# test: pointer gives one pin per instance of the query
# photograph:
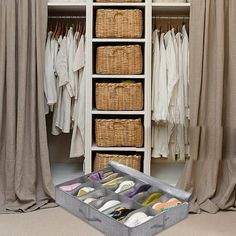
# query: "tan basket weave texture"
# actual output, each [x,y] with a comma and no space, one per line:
[119,132]
[119,60]
[114,23]
[102,160]
[119,0]
[119,96]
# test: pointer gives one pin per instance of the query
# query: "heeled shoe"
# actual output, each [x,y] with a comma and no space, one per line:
[152,198]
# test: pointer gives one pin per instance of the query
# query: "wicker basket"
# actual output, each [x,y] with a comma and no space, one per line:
[119,60]
[119,132]
[114,23]
[119,0]
[102,160]
[119,96]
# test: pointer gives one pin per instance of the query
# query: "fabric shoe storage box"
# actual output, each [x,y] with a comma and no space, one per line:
[109,226]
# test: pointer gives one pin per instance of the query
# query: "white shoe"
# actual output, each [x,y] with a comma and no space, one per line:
[109,204]
[137,219]
[127,184]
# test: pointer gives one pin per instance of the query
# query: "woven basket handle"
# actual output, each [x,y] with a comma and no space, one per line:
[117,50]
[119,86]
[118,123]
[118,13]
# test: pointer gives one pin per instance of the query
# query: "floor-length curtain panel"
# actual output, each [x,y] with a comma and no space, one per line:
[25,178]
[210,174]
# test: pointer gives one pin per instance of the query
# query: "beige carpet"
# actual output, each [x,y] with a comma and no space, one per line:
[58,222]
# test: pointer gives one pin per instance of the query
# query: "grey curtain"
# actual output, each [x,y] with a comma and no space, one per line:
[210,174]
[25,178]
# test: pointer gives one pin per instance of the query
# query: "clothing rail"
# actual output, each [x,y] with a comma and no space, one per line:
[67,17]
[172,17]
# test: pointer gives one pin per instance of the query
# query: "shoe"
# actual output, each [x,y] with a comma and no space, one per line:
[160,207]
[125,185]
[68,188]
[110,177]
[120,213]
[113,182]
[109,204]
[139,188]
[89,200]
[137,219]
[84,190]
[153,198]
[98,176]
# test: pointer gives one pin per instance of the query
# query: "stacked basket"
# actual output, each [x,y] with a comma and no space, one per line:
[125,95]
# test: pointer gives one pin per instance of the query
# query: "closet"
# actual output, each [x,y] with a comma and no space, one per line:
[59,146]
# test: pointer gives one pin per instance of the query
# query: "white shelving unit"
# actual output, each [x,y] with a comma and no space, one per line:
[150,9]
[91,148]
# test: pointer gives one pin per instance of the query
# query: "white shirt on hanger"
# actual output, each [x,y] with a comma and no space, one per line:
[71,54]
[77,141]
[160,131]
[63,119]
[185,51]
[49,79]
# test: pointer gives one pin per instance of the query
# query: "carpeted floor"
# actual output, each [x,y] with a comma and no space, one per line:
[58,222]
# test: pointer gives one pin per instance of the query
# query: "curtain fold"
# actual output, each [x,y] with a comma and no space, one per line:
[25,178]
[210,174]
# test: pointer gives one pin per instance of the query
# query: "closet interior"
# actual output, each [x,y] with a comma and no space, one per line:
[81,17]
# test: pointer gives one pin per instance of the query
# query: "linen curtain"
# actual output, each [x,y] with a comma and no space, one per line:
[210,174]
[25,178]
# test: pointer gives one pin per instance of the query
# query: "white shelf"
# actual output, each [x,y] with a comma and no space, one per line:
[118,76]
[126,149]
[97,112]
[171,8]
[119,4]
[117,40]
[59,7]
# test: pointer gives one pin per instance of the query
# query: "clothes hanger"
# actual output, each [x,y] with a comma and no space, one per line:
[54,33]
[58,33]
[84,28]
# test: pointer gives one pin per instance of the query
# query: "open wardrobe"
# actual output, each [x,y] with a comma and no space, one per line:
[122,112]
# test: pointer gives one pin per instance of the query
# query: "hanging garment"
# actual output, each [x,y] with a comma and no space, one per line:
[55,130]
[160,132]
[180,114]
[156,62]
[160,103]
[63,118]
[172,89]
[185,52]
[77,140]
[49,77]
[71,54]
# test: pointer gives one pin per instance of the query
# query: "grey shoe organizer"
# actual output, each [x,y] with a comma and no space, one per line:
[109,226]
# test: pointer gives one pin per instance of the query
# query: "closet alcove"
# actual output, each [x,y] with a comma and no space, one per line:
[65,168]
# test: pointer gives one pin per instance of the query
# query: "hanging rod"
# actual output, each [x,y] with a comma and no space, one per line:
[66,17]
[172,17]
